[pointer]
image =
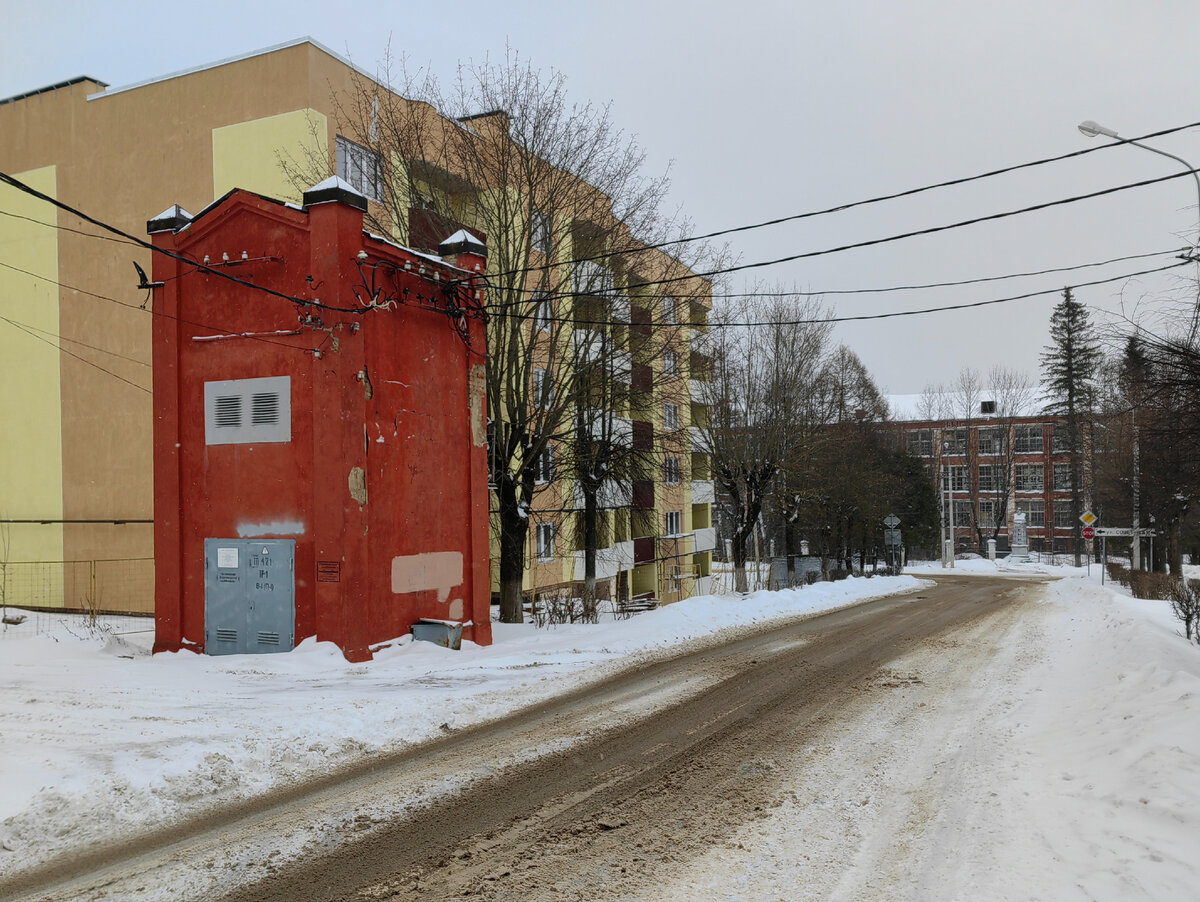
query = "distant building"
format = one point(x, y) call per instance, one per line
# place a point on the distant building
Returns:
point(988, 468)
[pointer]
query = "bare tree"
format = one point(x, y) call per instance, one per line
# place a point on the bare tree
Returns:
point(762, 402)
point(558, 194)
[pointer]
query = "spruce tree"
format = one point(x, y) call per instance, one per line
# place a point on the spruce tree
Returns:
point(1069, 365)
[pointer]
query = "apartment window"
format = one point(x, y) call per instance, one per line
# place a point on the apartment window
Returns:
point(1034, 511)
point(1062, 516)
point(248, 411)
point(987, 513)
point(544, 466)
point(545, 541)
point(989, 478)
point(542, 312)
point(920, 442)
point(671, 471)
point(670, 309)
point(362, 169)
point(1028, 440)
point(962, 513)
point(543, 391)
point(1062, 478)
point(954, 441)
point(539, 231)
point(670, 363)
point(671, 416)
point(1030, 478)
point(674, 523)
point(990, 441)
point(1060, 442)
point(954, 479)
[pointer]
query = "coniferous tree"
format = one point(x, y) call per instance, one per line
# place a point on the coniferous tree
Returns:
point(1069, 366)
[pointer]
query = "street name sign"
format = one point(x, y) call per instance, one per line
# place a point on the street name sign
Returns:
point(1123, 531)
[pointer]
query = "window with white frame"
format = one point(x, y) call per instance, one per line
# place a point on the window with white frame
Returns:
point(544, 466)
point(248, 411)
point(1060, 442)
point(543, 391)
point(670, 309)
point(1034, 511)
point(674, 523)
point(1030, 478)
point(670, 363)
point(987, 512)
point(991, 441)
point(360, 168)
point(1062, 515)
point(954, 441)
point(989, 478)
point(671, 416)
point(1062, 477)
point(539, 231)
point(545, 541)
point(671, 471)
point(1028, 440)
point(542, 313)
point(962, 513)
point(920, 442)
point(954, 479)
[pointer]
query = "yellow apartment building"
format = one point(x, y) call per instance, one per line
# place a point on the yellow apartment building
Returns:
point(76, 493)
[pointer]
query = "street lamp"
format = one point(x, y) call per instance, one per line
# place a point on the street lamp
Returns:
point(1092, 129)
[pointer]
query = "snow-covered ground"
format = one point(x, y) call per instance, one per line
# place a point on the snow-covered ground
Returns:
point(100, 737)
point(1067, 767)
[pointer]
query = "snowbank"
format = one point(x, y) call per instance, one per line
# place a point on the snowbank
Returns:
point(100, 737)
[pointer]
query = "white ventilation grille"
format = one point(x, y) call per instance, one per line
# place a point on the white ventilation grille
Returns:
point(248, 411)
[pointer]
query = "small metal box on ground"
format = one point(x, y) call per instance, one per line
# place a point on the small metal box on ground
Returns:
point(447, 633)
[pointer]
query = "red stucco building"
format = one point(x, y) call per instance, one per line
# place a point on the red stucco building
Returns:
point(319, 429)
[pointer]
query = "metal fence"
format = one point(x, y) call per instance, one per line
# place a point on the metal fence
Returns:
point(124, 586)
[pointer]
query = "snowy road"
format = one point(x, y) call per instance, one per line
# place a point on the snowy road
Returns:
point(993, 738)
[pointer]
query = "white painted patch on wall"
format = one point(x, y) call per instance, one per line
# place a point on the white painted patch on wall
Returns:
point(274, 528)
point(441, 570)
point(456, 609)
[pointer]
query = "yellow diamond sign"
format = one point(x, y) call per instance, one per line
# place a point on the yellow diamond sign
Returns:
point(1088, 518)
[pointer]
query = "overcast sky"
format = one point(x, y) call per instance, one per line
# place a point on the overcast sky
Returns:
point(768, 109)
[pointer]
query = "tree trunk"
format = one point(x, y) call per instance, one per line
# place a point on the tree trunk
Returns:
point(514, 530)
point(590, 541)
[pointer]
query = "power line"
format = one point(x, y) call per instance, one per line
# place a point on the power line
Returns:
point(853, 204)
point(931, 230)
point(63, 228)
point(896, 313)
point(104, 297)
point(83, 344)
point(306, 302)
point(955, 284)
point(63, 350)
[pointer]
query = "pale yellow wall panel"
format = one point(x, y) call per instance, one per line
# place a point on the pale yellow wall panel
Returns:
point(247, 155)
point(31, 403)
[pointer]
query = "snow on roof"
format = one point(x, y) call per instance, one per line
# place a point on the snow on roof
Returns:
point(173, 212)
point(336, 182)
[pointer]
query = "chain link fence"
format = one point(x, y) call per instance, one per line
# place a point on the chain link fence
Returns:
point(124, 586)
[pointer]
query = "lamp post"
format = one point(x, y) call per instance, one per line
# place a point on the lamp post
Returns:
point(1091, 129)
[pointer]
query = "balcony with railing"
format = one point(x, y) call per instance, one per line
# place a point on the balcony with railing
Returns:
point(703, 491)
point(590, 278)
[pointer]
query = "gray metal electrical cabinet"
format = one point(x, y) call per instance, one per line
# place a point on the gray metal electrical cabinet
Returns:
point(249, 596)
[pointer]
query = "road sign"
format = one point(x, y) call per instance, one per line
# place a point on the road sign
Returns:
point(1088, 533)
point(891, 538)
point(1123, 531)
point(891, 521)
point(1088, 518)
